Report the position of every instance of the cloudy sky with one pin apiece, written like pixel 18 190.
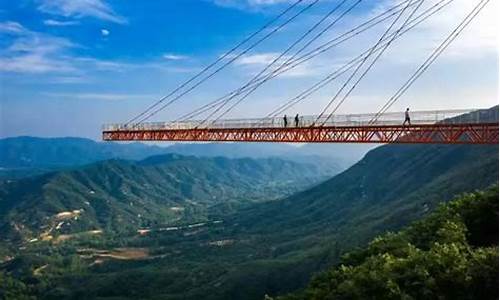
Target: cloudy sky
pixel 68 66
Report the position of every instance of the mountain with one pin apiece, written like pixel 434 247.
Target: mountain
pixel 336 155
pixel 451 254
pixel 121 196
pixel 390 187
pixel 272 248
pixel 268 248
pixel 27 152
pixel 28 156
pixel 231 150
pixel 345 154
pixel 481 115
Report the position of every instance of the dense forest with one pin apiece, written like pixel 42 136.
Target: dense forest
pixel 182 227
pixel 451 254
pixel 124 196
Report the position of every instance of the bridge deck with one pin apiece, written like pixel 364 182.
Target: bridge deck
pixel 443 127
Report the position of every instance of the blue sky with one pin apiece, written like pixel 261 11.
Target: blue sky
pixel 68 66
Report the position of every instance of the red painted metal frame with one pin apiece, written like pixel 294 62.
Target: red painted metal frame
pixel 473 133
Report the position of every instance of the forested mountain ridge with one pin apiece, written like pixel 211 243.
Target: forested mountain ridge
pixel 28 156
pixel 25 152
pixel 451 254
pixel 121 196
pixel 270 248
pixel 390 187
pixel 262 249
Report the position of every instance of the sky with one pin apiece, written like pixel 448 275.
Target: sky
pixel 69 66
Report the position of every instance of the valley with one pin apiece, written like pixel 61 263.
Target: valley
pixel 106 231
pixel 28 156
pixel 249 150
pixel 120 196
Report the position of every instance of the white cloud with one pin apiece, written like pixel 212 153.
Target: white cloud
pixel 256 59
pixel 81 8
pixel 477 40
pixel 12 28
pixel 256 62
pixel 477 46
pixel 68 79
pixel 51 22
pixel 101 96
pixel 104 32
pixel 248 3
pixel 101 65
pixel 33 63
pixel 36 52
pixel 32 52
pixel 170 56
pixel 450 77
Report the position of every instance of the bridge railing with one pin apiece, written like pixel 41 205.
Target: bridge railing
pixel 391 118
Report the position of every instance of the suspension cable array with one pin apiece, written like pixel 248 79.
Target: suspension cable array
pixel 233 59
pixel 349 65
pixel 221 58
pixel 434 55
pixel 363 61
pixel 397 21
pixel 292 62
pixel 296 53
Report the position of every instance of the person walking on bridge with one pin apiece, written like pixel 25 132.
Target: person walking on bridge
pixel 285 121
pixel 407 117
pixel 297 120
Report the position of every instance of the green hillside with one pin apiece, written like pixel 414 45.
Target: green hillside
pixel 389 187
pixel 339 156
pixel 270 248
pixel 208 229
pixel 451 254
pixel 32 152
pixel 29 156
pixel 123 196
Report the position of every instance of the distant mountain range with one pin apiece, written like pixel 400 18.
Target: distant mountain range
pixel 27 156
pixel 245 246
pixel 293 238
pixel 391 186
pixel 276 246
pixel 343 155
pixel 121 196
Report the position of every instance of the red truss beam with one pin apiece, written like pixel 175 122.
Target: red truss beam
pixel 477 133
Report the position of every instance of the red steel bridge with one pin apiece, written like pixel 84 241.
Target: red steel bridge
pixel 440 127
pixel 207 123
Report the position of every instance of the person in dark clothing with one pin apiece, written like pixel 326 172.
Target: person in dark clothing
pixel 297 120
pixel 407 117
pixel 285 121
